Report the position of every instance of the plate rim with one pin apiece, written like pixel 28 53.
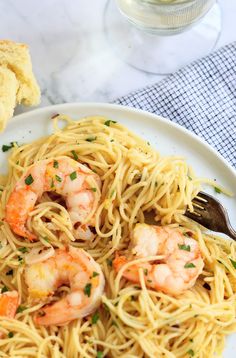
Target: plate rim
pixel 124 108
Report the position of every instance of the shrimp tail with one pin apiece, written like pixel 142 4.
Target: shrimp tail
pixel 20 203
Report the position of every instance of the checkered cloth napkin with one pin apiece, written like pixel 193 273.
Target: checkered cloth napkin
pixel 201 97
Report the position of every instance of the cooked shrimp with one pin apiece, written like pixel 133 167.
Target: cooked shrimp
pixel 75 268
pixel 176 272
pixel 9 302
pixel 78 185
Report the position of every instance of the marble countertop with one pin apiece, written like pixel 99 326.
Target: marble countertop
pixel 71 57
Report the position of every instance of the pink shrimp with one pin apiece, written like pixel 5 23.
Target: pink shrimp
pixel 9 302
pixel 77 184
pixel 176 272
pixel 75 268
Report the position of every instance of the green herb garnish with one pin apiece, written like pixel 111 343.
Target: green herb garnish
pixel 58 178
pixel 95 317
pixel 73 176
pixel 20 259
pixel 189 265
pixel 145 271
pixel 191 352
pixel 99 354
pixel 87 289
pixel 4 289
pixel 107 123
pixel 184 247
pixel 94 189
pixel 91 139
pixel 109 262
pixel 217 190
pixel 55 164
pixel 5 147
pixel 23 249
pixel 21 308
pixel 29 180
pixel 75 156
pixel 95 274
pixel 233 263
pixel 10 334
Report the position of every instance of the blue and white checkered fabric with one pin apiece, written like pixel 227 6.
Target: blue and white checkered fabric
pixel 201 97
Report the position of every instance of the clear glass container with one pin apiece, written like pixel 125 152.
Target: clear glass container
pixel 161 36
pixel 164 16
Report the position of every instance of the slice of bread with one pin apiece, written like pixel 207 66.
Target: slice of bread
pixel 8 90
pixel 17 84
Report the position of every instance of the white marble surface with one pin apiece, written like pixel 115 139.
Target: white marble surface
pixel 71 57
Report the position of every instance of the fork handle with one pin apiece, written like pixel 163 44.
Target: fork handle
pixel 230 232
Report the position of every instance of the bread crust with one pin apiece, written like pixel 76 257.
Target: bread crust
pixel 18 83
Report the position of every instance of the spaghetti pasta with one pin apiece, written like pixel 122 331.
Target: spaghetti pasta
pixel 133 320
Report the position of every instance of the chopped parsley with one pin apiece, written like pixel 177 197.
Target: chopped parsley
pixel 233 263
pixel 94 189
pixel 99 354
pixel 10 334
pixel 52 183
pixel 191 340
pixel 191 352
pixel 9 273
pixel 55 164
pixel 23 249
pixel 95 274
pixel 190 178
pixel 73 176
pixel 217 190
pixel 108 122
pixel 45 238
pixel 21 308
pixel 189 265
pixel 5 147
pixel 58 178
pixel 20 259
pixel 109 262
pixel 114 323
pixel 29 180
pixel 184 247
pixel 75 156
pixel 145 272
pixel 4 289
pixel 87 289
pixel 156 184
pixel 91 139
pixel 95 317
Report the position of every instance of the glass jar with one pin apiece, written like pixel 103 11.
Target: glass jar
pixel 164 17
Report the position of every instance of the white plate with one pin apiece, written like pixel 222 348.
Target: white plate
pixel 165 136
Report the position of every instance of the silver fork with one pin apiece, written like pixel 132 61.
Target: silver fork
pixel 209 213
